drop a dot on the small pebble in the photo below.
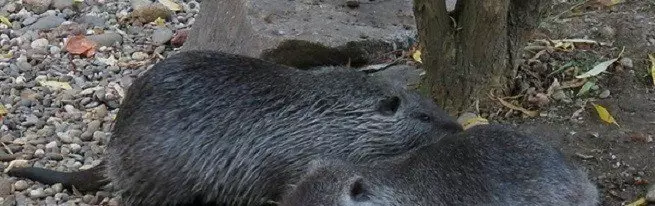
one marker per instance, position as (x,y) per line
(51,145)
(29,20)
(5,187)
(650,195)
(75,148)
(62,4)
(39,153)
(604,94)
(106,39)
(608,32)
(37,193)
(89,199)
(50,201)
(352,4)
(37,6)
(49,191)
(55,50)
(139,56)
(57,188)
(62,197)
(47,22)
(39,44)
(20,185)
(626,62)
(161,36)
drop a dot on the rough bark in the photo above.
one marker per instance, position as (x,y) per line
(471,54)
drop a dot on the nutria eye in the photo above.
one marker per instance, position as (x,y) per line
(389,106)
(424,117)
(358,191)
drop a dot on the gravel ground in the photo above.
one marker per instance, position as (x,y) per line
(58,106)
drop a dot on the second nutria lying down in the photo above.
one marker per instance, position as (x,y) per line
(485,165)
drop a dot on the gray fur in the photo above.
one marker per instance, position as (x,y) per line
(485,165)
(221,128)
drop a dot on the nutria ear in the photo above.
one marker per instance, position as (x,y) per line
(358,189)
(389,106)
(318,164)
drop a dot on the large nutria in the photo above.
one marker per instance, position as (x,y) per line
(486,165)
(209,127)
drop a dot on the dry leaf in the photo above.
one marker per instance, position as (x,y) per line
(565,46)
(417,56)
(599,68)
(554,86)
(55,85)
(468,120)
(609,2)
(171,5)
(585,88)
(111,60)
(80,45)
(179,38)
(639,202)
(604,114)
(585,41)
(3,110)
(5,21)
(570,44)
(7,55)
(474,121)
(514,107)
(16,163)
(572,83)
(652,66)
(160,22)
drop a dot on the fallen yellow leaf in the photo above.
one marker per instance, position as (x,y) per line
(652,66)
(55,85)
(639,202)
(171,5)
(160,22)
(3,110)
(417,56)
(604,114)
(609,2)
(474,121)
(7,55)
(5,21)
(564,46)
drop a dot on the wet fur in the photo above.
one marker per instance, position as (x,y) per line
(207,127)
(485,165)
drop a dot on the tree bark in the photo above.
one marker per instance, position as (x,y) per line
(469,53)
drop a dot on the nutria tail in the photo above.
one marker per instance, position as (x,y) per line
(86,180)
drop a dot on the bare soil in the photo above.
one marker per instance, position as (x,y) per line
(620,159)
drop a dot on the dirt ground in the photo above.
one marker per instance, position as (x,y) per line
(620,159)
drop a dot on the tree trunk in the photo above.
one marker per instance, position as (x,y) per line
(469,53)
